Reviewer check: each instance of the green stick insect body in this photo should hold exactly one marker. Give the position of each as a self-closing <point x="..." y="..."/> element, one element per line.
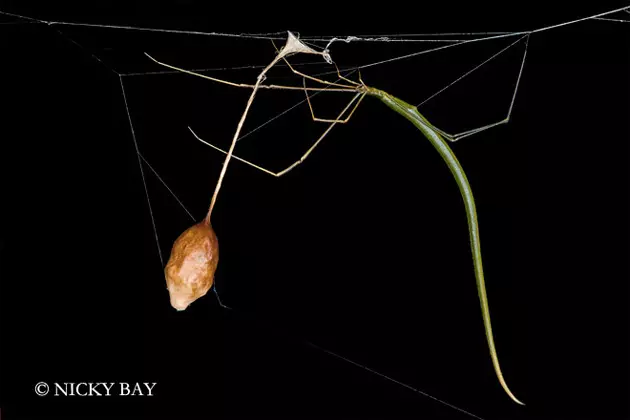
<point x="411" y="113"/>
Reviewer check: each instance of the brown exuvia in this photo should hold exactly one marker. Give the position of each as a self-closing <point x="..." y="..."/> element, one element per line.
<point x="195" y="254"/>
<point x="190" y="269"/>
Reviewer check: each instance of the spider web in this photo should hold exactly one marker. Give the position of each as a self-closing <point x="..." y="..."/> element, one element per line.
<point x="161" y="105"/>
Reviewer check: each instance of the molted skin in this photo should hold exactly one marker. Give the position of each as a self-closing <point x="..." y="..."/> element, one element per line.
<point x="190" y="269"/>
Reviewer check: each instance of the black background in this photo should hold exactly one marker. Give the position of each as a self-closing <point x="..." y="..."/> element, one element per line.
<point x="362" y="250"/>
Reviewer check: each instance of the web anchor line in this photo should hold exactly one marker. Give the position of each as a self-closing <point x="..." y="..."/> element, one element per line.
<point x="144" y="182"/>
<point x="379" y="38"/>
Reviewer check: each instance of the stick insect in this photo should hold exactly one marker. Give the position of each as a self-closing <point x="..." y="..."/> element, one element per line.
<point x="194" y="256"/>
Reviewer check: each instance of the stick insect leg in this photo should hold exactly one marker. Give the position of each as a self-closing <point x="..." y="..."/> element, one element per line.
<point x="214" y="79"/>
<point x="348" y="80"/>
<point x="338" y="120"/>
<point x="249" y="86"/>
<point x="304" y="76"/>
<point x="354" y="85"/>
<point x="455" y="137"/>
<point x="358" y="96"/>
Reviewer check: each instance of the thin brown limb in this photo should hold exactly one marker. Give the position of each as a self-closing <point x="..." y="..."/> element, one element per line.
<point x="294" y="164"/>
<point x="455" y="137"/>
<point x="338" y="120"/>
<point x="249" y="86"/>
<point x="354" y="85"/>
<point x="293" y="46"/>
<point x="346" y="79"/>
<point x="315" y="79"/>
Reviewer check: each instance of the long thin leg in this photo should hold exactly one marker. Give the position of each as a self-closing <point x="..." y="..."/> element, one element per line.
<point x="455" y="137"/>
<point x="322" y="81"/>
<point x="348" y="80"/>
<point x="306" y="76"/>
<point x="249" y="86"/>
<point x="340" y="121"/>
<point x="294" y="164"/>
